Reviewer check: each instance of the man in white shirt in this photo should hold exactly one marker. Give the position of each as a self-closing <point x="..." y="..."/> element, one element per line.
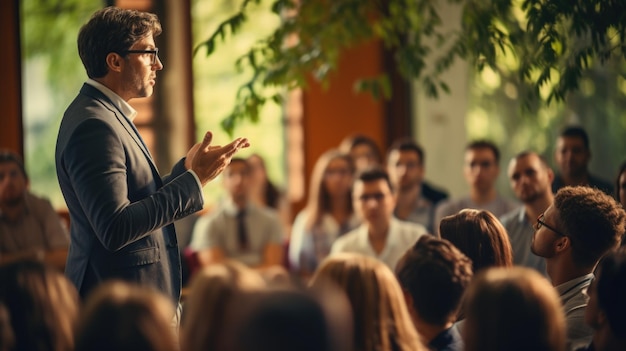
<point x="381" y="235"/>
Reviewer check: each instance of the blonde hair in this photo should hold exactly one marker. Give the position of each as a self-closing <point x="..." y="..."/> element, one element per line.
<point x="213" y="290"/>
<point x="319" y="199"/>
<point x="381" y="319"/>
<point x="513" y="309"/>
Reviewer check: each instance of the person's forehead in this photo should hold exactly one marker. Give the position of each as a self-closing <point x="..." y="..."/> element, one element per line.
<point x="570" y="141"/>
<point x="143" y="43"/>
<point x="481" y="153"/>
<point x="378" y="185"/>
<point x="525" y="163"/>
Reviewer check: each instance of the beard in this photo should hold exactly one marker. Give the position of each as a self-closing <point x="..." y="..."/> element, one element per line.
<point x="13" y="201"/>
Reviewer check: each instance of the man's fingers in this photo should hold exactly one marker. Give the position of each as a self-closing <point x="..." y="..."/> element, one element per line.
<point x="208" y="137"/>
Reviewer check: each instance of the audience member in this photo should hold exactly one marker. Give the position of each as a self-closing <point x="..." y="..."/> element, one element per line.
<point x="480" y="236"/>
<point x="572" y="155"/>
<point x="263" y="192"/>
<point x="41" y="306"/>
<point x="328" y="215"/>
<point x="364" y="151"/>
<point x="530" y="178"/>
<point x="433" y="275"/>
<point x="380" y="317"/>
<point x="124" y="317"/>
<point x="512" y="309"/>
<point x="239" y="229"/>
<point x="29" y="226"/>
<point x="416" y="198"/>
<point x="606" y="309"/>
<point x="481" y="170"/>
<point x="208" y="314"/>
<point x="580" y="226"/>
<point x="381" y="235"/>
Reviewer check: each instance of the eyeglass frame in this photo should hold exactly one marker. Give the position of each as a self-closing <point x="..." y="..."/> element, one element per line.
<point x="541" y="223"/>
<point x="154" y="52"/>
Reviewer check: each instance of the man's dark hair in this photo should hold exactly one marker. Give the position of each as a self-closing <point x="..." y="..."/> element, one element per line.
<point x="407" y="144"/>
<point x="593" y="221"/>
<point x="112" y="29"/>
<point x="7" y="156"/>
<point x="435" y="273"/>
<point x="576" y="132"/>
<point x="374" y="173"/>
<point x="612" y="290"/>
<point x="485" y="144"/>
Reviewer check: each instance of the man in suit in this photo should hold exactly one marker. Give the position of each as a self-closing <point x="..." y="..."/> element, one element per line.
<point x="121" y="210"/>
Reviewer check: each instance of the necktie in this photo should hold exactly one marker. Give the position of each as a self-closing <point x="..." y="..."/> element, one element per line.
<point x="242" y="234"/>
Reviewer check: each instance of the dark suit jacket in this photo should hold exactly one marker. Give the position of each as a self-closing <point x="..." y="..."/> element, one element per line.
<point x="121" y="211"/>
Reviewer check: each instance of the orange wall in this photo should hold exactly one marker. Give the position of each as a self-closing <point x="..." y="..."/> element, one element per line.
<point x="330" y="114"/>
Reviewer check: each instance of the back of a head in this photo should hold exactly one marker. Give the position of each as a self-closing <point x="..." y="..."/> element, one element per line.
<point x="513" y="309"/>
<point x="435" y="274"/>
<point x="480" y="236"/>
<point x="284" y="321"/>
<point x="123" y="317"/>
<point x="381" y="320"/>
<point x="593" y="221"/>
<point x="213" y="292"/>
<point x="41" y="304"/>
<point x="611" y="290"/>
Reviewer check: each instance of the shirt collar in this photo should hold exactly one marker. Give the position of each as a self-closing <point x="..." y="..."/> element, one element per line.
<point x="122" y="105"/>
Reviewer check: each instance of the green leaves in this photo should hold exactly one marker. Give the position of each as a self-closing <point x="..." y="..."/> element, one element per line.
<point x="545" y="39"/>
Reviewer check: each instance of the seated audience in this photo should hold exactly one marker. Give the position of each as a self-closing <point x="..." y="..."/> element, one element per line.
<point x="381" y="320"/>
<point x="531" y="179"/>
<point x="606" y="310"/>
<point x="29" y="226"/>
<point x="239" y="229"/>
<point x="580" y="226"/>
<point x="480" y="236"/>
<point x="416" y="198"/>
<point x="481" y="170"/>
<point x="433" y="275"/>
<point x="381" y="235"/>
<point x="40" y="308"/>
<point x="124" y="317"/>
<point x="209" y="312"/>
<point x="364" y="151"/>
<point x="328" y="214"/>
<point x="512" y="309"/>
<point x="572" y="156"/>
<point x="263" y="192"/>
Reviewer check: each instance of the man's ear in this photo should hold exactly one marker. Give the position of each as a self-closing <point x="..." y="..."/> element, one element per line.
<point x="115" y="62"/>
<point x="563" y="243"/>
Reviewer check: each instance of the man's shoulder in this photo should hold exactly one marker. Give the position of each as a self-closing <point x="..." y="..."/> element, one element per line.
<point x="601" y="184"/>
<point x="408" y="228"/>
<point x="346" y="241"/>
<point x="432" y="193"/>
<point x="511" y="216"/>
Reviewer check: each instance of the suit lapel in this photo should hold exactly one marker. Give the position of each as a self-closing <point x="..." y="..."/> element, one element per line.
<point x="125" y="122"/>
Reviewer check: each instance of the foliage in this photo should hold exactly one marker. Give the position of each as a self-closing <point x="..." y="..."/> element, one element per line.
<point x="553" y="41"/>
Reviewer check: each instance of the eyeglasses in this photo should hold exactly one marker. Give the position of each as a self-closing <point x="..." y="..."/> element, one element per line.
<point x="541" y="223"/>
<point x="153" y="52"/>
